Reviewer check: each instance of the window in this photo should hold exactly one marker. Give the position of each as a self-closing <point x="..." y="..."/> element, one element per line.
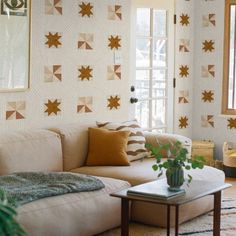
<point x="229" y="79"/>
<point x="151" y="68"/>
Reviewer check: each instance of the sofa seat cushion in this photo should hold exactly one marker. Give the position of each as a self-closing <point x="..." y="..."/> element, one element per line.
<point x="140" y="171"/>
<point x="74" y="214"/>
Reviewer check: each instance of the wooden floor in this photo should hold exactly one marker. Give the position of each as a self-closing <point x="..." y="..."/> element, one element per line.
<point x="230" y="192"/>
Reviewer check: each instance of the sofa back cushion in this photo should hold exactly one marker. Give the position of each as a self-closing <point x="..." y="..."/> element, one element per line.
<point x="38" y="150"/>
<point x="74" y="139"/>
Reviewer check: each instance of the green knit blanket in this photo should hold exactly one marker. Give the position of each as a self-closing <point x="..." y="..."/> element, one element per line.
<point x="24" y="187"/>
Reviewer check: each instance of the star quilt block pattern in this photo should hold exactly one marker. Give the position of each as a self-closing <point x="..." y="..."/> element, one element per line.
<point x="85" y="9"/>
<point x="53" y="7"/>
<point x="85" y="105"/>
<point x="85" y="72"/>
<point x="52" y="107"/>
<point x="15" y="110"/>
<point x="231" y="123"/>
<point x="53" y="40"/>
<point x="113" y="102"/>
<point x="52" y="73"/>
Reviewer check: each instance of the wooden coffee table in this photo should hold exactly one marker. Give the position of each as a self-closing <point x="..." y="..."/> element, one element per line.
<point x="196" y="190"/>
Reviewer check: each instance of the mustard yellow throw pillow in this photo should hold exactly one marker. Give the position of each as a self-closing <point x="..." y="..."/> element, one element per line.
<point x="107" y="148"/>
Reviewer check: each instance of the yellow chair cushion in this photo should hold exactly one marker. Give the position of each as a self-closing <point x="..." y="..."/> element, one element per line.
<point x="107" y="148"/>
<point x="233" y="154"/>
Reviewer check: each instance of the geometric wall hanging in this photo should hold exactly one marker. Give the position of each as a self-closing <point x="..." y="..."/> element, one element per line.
<point x="208" y="20"/>
<point x="208" y="96"/>
<point x="208" y="71"/>
<point x="85" y="41"/>
<point x="183" y="71"/>
<point x="183" y="122"/>
<point x="85" y="9"/>
<point x="184" y="19"/>
<point x="232" y="123"/>
<point x="183" y="96"/>
<point x="114" y="72"/>
<point x="208" y="46"/>
<point x="85" y="105"/>
<point x="113" y="102"/>
<point x="115" y="12"/>
<point x="53" y="7"/>
<point x="13" y="7"/>
<point x="52" y="107"/>
<point x="53" y="39"/>
<point x="207" y="121"/>
<point x="184" y="45"/>
<point x="114" y="42"/>
<point x="15" y="110"/>
<point x="52" y="73"/>
<point x="85" y="73"/>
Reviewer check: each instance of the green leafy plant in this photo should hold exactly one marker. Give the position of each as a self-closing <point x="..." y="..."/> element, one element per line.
<point x="8" y="224"/>
<point x="176" y="158"/>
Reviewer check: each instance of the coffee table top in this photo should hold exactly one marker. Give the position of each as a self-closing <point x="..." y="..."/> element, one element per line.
<point x="197" y="189"/>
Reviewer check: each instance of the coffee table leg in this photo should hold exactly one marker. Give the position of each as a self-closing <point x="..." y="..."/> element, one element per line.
<point x="217" y="209"/>
<point x="124" y="217"/>
<point x="176" y="220"/>
<point x="168" y="221"/>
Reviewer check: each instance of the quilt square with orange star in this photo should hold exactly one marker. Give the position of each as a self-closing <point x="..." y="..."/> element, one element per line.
<point x="208" y="96"/>
<point x="208" y="45"/>
<point x="15" y="110"/>
<point x="114" y="42"/>
<point x="85" y="9"/>
<point x="85" y="72"/>
<point x="183" y="122"/>
<point x="53" y="7"/>
<point x="53" y="40"/>
<point x="113" y="102"/>
<point x="231" y="123"/>
<point x="114" y="12"/>
<point x="52" y="107"/>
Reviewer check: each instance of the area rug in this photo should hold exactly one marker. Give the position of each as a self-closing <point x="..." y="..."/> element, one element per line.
<point x="200" y="226"/>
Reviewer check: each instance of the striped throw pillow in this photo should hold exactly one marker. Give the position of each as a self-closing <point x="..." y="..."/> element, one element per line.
<point x="136" y="140"/>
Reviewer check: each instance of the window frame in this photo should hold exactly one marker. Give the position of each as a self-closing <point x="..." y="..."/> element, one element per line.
<point x="225" y="110"/>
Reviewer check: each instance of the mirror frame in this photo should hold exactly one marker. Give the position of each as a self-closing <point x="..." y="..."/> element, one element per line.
<point x="28" y="76"/>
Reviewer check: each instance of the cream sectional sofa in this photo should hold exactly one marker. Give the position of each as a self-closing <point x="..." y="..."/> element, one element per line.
<point x="65" y="148"/>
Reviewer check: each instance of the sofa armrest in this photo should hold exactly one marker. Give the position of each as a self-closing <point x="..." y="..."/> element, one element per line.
<point x="156" y="138"/>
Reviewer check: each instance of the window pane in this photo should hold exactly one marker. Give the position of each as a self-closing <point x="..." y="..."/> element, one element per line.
<point x="158" y="112"/>
<point x="159" y="53"/>
<point x="143" y="22"/>
<point x="159" y="75"/>
<point x="158" y="89"/>
<point x="231" y="88"/>
<point x="143" y="53"/>
<point x="142" y="113"/>
<point x="142" y="84"/>
<point x="159" y="23"/>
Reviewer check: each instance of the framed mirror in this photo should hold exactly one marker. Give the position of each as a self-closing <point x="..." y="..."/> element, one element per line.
<point x="14" y="45"/>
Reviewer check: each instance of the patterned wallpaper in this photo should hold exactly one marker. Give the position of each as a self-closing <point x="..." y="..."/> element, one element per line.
<point x="200" y="60"/>
<point x="80" y="65"/>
